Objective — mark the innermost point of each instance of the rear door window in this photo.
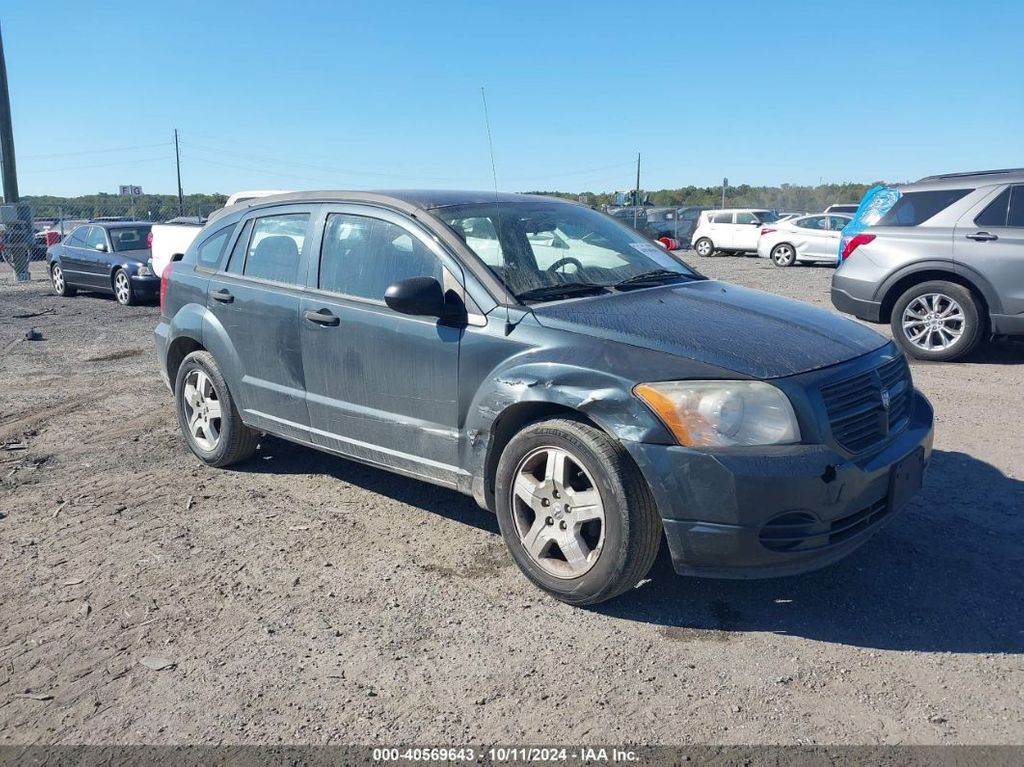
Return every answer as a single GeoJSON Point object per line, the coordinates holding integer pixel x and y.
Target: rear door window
{"type": "Point", "coordinates": [813, 222]}
{"type": "Point", "coordinates": [276, 247]}
{"type": "Point", "coordinates": [721, 218]}
{"type": "Point", "coordinates": [996, 211]}
{"type": "Point", "coordinates": [1016, 215]}
{"type": "Point", "coordinates": [914, 208]}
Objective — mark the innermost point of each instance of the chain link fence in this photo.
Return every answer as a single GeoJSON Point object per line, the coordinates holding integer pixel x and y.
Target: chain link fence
{"type": "Point", "coordinates": [29, 227]}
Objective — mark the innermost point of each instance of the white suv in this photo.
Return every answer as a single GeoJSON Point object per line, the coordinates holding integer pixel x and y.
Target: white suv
{"type": "Point", "coordinates": [732, 231]}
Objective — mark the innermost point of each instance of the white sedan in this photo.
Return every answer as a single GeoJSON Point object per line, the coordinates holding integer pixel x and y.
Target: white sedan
{"type": "Point", "coordinates": [806, 239]}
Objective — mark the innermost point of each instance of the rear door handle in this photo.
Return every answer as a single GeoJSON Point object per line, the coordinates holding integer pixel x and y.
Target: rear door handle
{"type": "Point", "coordinates": [982, 236]}
{"type": "Point", "coordinates": [224, 296]}
{"type": "Point", "coordinates": [323, 317]}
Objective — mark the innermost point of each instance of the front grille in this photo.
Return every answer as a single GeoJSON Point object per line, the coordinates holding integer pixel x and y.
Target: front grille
{"type": "Point", "coordinates": [856, 411]}
{"type": "Point", "coordinates": [799, 531]}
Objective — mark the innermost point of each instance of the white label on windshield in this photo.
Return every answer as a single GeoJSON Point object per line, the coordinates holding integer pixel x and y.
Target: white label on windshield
{"type": "Point", "coordinates": [656, 254]}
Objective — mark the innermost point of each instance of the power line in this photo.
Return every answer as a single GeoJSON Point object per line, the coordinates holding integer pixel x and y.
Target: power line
{"type": "Point", "coordinates": [93, 151]}
{"type": "Point", "coordinates": [101, 165]}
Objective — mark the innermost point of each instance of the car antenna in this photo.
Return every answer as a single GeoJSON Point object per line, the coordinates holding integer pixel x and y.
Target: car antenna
{"type": "Point", "coordinates": [494, 175]}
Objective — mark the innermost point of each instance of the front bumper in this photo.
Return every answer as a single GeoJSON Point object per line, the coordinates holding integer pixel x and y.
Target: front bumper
{"type": "Point", "coordinates": [145, 286]}
{"type": "Point", "coordinates": [723, 510]}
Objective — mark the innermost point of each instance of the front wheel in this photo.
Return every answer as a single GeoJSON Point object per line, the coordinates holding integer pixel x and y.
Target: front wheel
{"type": "Point", "coordinates": [704, 247]}
{"type": "Point", "coordinates": [123, 291]}
{"type": "Point", "coordinates": [575, 512]}
{"type": "Point", "coordinates": [207, 414]}
{"type": "Point", "coordinates": [783, 254]}
{"type": "Point", "coordinates": [60, 282]}
{"type": "Point", "coordinates": [937, 321]}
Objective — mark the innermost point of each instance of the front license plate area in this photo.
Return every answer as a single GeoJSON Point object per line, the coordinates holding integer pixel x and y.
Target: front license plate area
{"type": "Point", "coordinates": [905, 479]}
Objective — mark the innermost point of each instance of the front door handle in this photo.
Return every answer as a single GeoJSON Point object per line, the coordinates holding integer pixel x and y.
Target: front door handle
{"type": "Point", "coordinates": [222, 295]}
{"type": "Point", "coordinates": [323, 317]}
{"type": "Point", "coordinates": [982, 237]}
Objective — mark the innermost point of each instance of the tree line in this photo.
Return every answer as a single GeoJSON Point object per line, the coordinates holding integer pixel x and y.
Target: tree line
{"type": "Point", "coordinates": [788, 197]}
{"type": "Point", "coordinates": [161, 207]}
{"type": "Point", "coordinates": [146, 207]}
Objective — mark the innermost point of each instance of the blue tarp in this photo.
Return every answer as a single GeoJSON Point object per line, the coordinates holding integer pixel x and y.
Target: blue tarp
{"type": "Point", "coordinates": [876, 203]}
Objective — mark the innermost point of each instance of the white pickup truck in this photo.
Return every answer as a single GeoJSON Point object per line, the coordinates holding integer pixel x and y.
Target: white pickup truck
{"type": "Point", "coordinates": [176, 235]}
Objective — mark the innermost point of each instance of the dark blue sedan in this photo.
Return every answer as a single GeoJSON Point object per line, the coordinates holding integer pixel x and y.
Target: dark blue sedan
{"type": "Point", "coordinates": [110, 257]}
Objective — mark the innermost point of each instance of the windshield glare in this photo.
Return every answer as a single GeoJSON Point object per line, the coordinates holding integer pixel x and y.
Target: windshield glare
{"type": "Point", "coordinates": [533, 245]}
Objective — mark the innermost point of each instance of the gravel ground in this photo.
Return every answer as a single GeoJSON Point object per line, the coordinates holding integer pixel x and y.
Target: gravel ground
{"type": "Point", "coordinates": [301, 598]}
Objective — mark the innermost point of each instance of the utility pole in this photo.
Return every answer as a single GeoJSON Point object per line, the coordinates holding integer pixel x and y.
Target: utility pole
{"type": "Point", "coordinates": [17, 219]}
{"type": "Point", "coordinates": [177, 162]}
{"type": "Point", "coordinates": [10, 176]}
{"type": "Point", "coordinates": [725, 183]}
{"type": "Point", "coordinates": [636, 196]}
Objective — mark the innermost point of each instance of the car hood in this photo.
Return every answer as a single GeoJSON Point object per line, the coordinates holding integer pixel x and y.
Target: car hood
{"type": "Point", "coordinates": [745, 331]}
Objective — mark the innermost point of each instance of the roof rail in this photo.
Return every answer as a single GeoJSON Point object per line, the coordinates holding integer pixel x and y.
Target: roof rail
{"type": "Point", "coordinates": [1000, 171]}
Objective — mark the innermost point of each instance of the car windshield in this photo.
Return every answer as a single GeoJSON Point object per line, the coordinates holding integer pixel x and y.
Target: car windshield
{"type": "Point", "coordinates": [129, 238]}
{"type": "Point", "coordinates": [538, 248]}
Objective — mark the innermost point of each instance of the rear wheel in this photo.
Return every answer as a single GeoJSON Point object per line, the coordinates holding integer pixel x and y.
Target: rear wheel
{"type": "Point", "coordinates": [704, 247]}
{"type": "Point", "coordinates": [575, 512]}
{"type": "Point", "coordinates": [207, 415]}
{"type": "Point", "coordinates": [783, 254]}
{"type": "Point", "coordinates": [60, 282]}
{"type": "Point", "coordinates": [937, 321]}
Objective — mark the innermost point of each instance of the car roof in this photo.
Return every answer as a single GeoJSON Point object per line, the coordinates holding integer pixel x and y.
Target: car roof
{"type": "Point", "coordinates": [409, 200]}
{"type": "Point", "coordinates": [738, 210]}
{"type": "Point", "coordinates": [117, 224]}
{"type": "Point", "coordinates": [972, 179]}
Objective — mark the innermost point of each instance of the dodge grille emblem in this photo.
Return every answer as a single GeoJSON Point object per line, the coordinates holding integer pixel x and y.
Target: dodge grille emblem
{"type": "Point", "coordinates": [885, 398]}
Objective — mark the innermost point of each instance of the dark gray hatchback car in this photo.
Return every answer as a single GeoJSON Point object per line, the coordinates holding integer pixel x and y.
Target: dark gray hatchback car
{"type": "Point", "coordinates": [570, 375]}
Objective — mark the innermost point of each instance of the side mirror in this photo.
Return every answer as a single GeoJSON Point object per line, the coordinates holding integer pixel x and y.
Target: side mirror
{"type": "Point", "coordinates": [101, 247]}
{"type": "Point", "coordinates": [422, 297]}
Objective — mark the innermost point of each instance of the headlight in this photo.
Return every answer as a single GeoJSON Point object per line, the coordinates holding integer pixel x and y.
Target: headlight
{"type": "Point", "coordinates": [722, 413]}
{"type": "Point", "coordinates": [145, 271]}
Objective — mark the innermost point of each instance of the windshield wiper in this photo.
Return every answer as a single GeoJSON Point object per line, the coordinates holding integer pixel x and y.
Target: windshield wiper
{"type": "Point", "coordinates": [557, 291]}
{"type": "Point", "coordinates": [656, 275]}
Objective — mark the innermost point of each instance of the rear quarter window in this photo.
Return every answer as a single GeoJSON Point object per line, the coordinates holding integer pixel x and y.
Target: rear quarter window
{"type": "Point", "coordinates": [914, 208]}
{"type": "Point", "coordinates": [210, 250]}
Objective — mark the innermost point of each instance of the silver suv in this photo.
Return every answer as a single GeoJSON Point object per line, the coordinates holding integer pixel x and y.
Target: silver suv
{"type": "Point", "coordinates": [944, 266]}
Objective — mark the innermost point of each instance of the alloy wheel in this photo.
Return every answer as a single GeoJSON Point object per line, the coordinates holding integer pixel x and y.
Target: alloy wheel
{"type": "Point", "coordinates": [933, 322]}
{"type": "Point", "coordinates": [202, 410]}
{"type": "Point", "coordinates": [558, 513]}
{"type": "Point", "coordinates": [58, 279]}
{"type": "Point", "coordinates": [703, 248]}
{"type": "Point", "coordinates": [782, 255]}
{"type": "Point", "coordinates": [122, 288]}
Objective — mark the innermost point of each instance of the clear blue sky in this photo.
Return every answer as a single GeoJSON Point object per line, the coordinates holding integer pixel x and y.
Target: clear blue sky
{"type": "Point", "coordinates": [314, 95]}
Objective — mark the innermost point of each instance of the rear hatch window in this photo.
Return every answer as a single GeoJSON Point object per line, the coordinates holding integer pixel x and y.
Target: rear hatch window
{"type": "Point", "coordinates": [914, 208]}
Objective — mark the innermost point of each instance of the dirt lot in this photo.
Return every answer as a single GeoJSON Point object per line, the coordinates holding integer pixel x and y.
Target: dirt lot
{"type": "Point", "coordinates": [302, 598]}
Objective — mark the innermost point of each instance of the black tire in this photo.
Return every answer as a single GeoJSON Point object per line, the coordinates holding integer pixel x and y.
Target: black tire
{"type": "Point", "coordinates": [236, 441]}
{"type": "Point", "coordinates": [778, 255]}
{"type": "Point", "coordinates": [632, 526]}
{"type": "Point", "coordinates": [59, 281]}
{"type": "Point", "coordinates": [704, 247]}
{"type": "Point", "coordinates": [121, 282]}
{"type": "Point", "coordinates": [971, 326]}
